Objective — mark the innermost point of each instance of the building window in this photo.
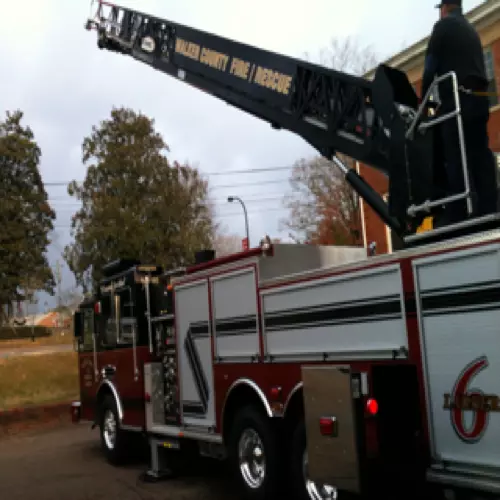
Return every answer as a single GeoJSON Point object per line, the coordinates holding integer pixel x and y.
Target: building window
{"type": "Point", "coordinates": [489, 63]}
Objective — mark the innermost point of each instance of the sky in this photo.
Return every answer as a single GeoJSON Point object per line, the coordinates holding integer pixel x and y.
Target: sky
{"type": "Point", "coordinates": [53, 71]}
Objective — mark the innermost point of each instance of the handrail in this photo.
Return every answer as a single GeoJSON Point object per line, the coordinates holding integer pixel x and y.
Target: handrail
{"type": "Point", "coordinates": [427, 205]}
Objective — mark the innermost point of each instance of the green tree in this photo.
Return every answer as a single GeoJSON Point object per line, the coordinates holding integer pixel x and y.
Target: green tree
{"type": "Point", "coordinates": [135, 202]}
{"type": "Point", "coordinates": [25, 214]}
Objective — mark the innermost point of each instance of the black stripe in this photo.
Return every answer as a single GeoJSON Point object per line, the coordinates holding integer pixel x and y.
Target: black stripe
{"type": "Point", "coordinates": [460, 299]}
{"type": "Point", "coordinates": [345, 321]}
{"type": "Point", "coordinates": [193, 408]}
{"type": "Point", "coordinates": [237, 333]}
{"type": "Point", "coordinates": [373, 302]}
{"type": "Point", "coordinates": [464, 287]}
{"type": "Point", "coordinates": [200, 329]}
{"type": "Point", "coordinates": [197, 369]}
{"type": "Point", "coordinates": [236, 319]}
{"type": "Point", "coordinates": [236, 326]}
{"type": "Point", "coordinates": [461, 310]}
{"type": "Point", "coordinates": [332, 315]}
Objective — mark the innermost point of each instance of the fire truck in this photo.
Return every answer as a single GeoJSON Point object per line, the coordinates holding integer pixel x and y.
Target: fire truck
{"type": "Point", "coordinates": [320, 372]}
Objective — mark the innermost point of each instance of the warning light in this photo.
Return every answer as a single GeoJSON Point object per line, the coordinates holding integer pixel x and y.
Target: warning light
{"type": "Point", "coordinates": [328, 426]}
{"type": "Point", "coordinates": [97, 308]}
{"type": "Point", "coordinates": [372, 406]}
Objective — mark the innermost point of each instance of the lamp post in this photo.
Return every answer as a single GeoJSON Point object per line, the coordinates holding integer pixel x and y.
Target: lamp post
{"type": "Point", "coordinates": [230, 199]}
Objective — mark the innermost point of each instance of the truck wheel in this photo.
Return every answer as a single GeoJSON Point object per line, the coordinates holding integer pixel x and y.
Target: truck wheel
{"type": "Point", "coordinates": [113, 438]}
{"type": "Point", "coordinates": [253, 452]}
{"type": "Point", "coordinates": [301, 487]}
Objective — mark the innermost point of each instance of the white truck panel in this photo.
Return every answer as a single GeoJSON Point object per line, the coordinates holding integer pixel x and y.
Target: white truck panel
{"type": "Point", "coordinates": [291, 259]}
{"type": "Point", "coordinates": [195, 354]}
{"type": "Point", "coordinates": [459, 314]}
{"type": "Point", "coordinates": [234, 313]}
{"type": "Point", "coordinates": [359, 314]}
{"type": "Point", "coordinates": [458, 268]}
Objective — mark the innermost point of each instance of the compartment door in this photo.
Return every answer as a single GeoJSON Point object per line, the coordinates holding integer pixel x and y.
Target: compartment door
{"type": "Point", "coordinates": [333, 459]}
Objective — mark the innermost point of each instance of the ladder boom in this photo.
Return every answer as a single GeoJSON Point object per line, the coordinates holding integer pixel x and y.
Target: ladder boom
{"type": "Point", "coordinates": [333, 111]}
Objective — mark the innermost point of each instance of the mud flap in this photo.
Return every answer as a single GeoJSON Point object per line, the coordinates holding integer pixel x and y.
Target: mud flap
{"type": "Point", "coordinates": [328, 396]}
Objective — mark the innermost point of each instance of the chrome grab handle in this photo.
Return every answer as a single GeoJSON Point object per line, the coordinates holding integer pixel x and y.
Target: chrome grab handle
{"type": "Point", "coordinates": [108, 371]}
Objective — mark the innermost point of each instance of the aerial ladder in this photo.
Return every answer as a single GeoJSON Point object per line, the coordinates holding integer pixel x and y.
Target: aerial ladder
{"type": "Point", "coordinates": [445, 315]}
{"type": "Point", "coordinates": [377, 122]}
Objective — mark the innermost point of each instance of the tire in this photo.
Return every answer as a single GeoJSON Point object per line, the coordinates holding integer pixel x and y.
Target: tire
{"type": "Point", "coordinates": [252, 426]}
{"type": "Point", "coordinates": [297, 474]}
{"type": "Point", "coordinates": [114, 447]}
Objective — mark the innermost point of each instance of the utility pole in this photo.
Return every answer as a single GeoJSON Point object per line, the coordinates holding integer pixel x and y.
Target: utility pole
{"type": "Point", "coordinates": [231, 199]}
{"type": "Point", "coordinates": [59, 295]}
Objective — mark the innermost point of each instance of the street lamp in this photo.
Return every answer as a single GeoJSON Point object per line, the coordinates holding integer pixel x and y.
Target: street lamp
{"type": "Point", "coordinates": [230, 199]}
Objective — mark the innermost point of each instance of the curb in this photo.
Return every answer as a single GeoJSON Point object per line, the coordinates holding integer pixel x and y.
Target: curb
{"type": "Point", "coordinates": [27, 417]}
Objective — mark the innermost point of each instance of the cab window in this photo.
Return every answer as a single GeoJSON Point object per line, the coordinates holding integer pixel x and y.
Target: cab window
{"type": "Point", "coordinates": [88, 329]}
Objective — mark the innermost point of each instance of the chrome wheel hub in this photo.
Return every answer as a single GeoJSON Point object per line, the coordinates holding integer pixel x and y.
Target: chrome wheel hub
{"type": "Point", "coordinates": [316, 491]}
{"type": "Point", "coordinates": [251, 458]}
{"type": "Point", "coordinates": [109, 429]}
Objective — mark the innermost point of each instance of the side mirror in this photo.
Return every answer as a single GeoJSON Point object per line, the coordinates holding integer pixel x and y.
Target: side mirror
{"type": "Point", "coordinates": [78, 325]}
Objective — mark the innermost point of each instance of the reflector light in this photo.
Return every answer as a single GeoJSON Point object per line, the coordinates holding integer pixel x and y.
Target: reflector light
{"type": "Point", "coordinates": [275, 392]}
{"type": "Point", "coordinates": [328, 426]}
{"type": "Point", "coordinates": [372, 406]}
{"type": "Point", "coordinates": [75, 411]}
{"type": "Point", "coordinates": [97, 308]}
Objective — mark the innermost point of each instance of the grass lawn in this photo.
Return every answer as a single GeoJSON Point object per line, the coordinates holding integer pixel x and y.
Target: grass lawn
{"type": "Point", "coordinates": [55, 339]}
{"type": "Point", "coordinates": [29, 380]}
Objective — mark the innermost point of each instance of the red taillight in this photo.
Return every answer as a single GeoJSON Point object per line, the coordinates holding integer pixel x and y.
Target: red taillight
{"type": "Point", "coordinates": [275, 393]}
{"type": "Point", "coordinates": [97, 308]}
{"type": "Point", "coordinates": [372, 406]}
{"type": "Point", "coordinates": [328, 426]}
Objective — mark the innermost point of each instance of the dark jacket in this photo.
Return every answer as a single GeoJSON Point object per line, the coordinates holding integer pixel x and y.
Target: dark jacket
{"type": "Point", "coordinates": [454, 45]}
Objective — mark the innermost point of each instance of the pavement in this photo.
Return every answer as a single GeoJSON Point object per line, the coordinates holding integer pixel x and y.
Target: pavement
{"type": "Point", "coordinates": [67, 463]}
{"type": "Point", "coordinates": [34, 351]}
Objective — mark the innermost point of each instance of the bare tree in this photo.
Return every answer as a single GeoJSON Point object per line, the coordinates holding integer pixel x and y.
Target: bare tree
{"type": "Point", "coordinates": [324, 209]}
{"type": "Point", "coordinates": [348, 56]}
{"type": "Point", "coordinates": [226, 244]}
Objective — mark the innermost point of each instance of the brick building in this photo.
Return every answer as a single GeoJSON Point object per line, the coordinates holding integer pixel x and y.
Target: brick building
{"type": "Point", "coordinates": [486, 19]}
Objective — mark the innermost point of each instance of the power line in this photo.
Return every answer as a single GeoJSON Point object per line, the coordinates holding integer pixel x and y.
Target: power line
{"type": "Point", "coordinates": [224, 172]}
{"type": "Point", "coordinates": [221, 201]}
{"type": "Point", "coordinates": [236, 214]}
{"type": "Point", "coordinates": [223, 186]}
{"type": "Point", "coordinates": [260, 183]}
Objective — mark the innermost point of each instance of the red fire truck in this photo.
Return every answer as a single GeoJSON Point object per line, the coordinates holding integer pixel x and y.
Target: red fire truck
{"type": "Point", "coordinates": [317, 371]}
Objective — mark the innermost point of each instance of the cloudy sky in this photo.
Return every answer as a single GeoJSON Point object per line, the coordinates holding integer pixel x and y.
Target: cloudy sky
{"type": "Point", "coordinates": [53, 71]}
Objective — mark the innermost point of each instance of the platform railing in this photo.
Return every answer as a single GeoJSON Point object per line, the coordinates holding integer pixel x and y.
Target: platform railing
{"type": "Point", "coordinates": [421, 127]}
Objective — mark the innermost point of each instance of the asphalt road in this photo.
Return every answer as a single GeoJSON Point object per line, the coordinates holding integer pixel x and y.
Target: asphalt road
{"type": "Point", "coordinates": [33, 351]}
{"type": "Point", "coordinates": [67, 463]}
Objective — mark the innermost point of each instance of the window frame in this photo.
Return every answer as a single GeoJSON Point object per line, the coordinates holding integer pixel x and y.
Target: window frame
{"type": "Point", "coordinates": [489, 65]}
{"type": "Point", "coordinates": [88, 329]}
